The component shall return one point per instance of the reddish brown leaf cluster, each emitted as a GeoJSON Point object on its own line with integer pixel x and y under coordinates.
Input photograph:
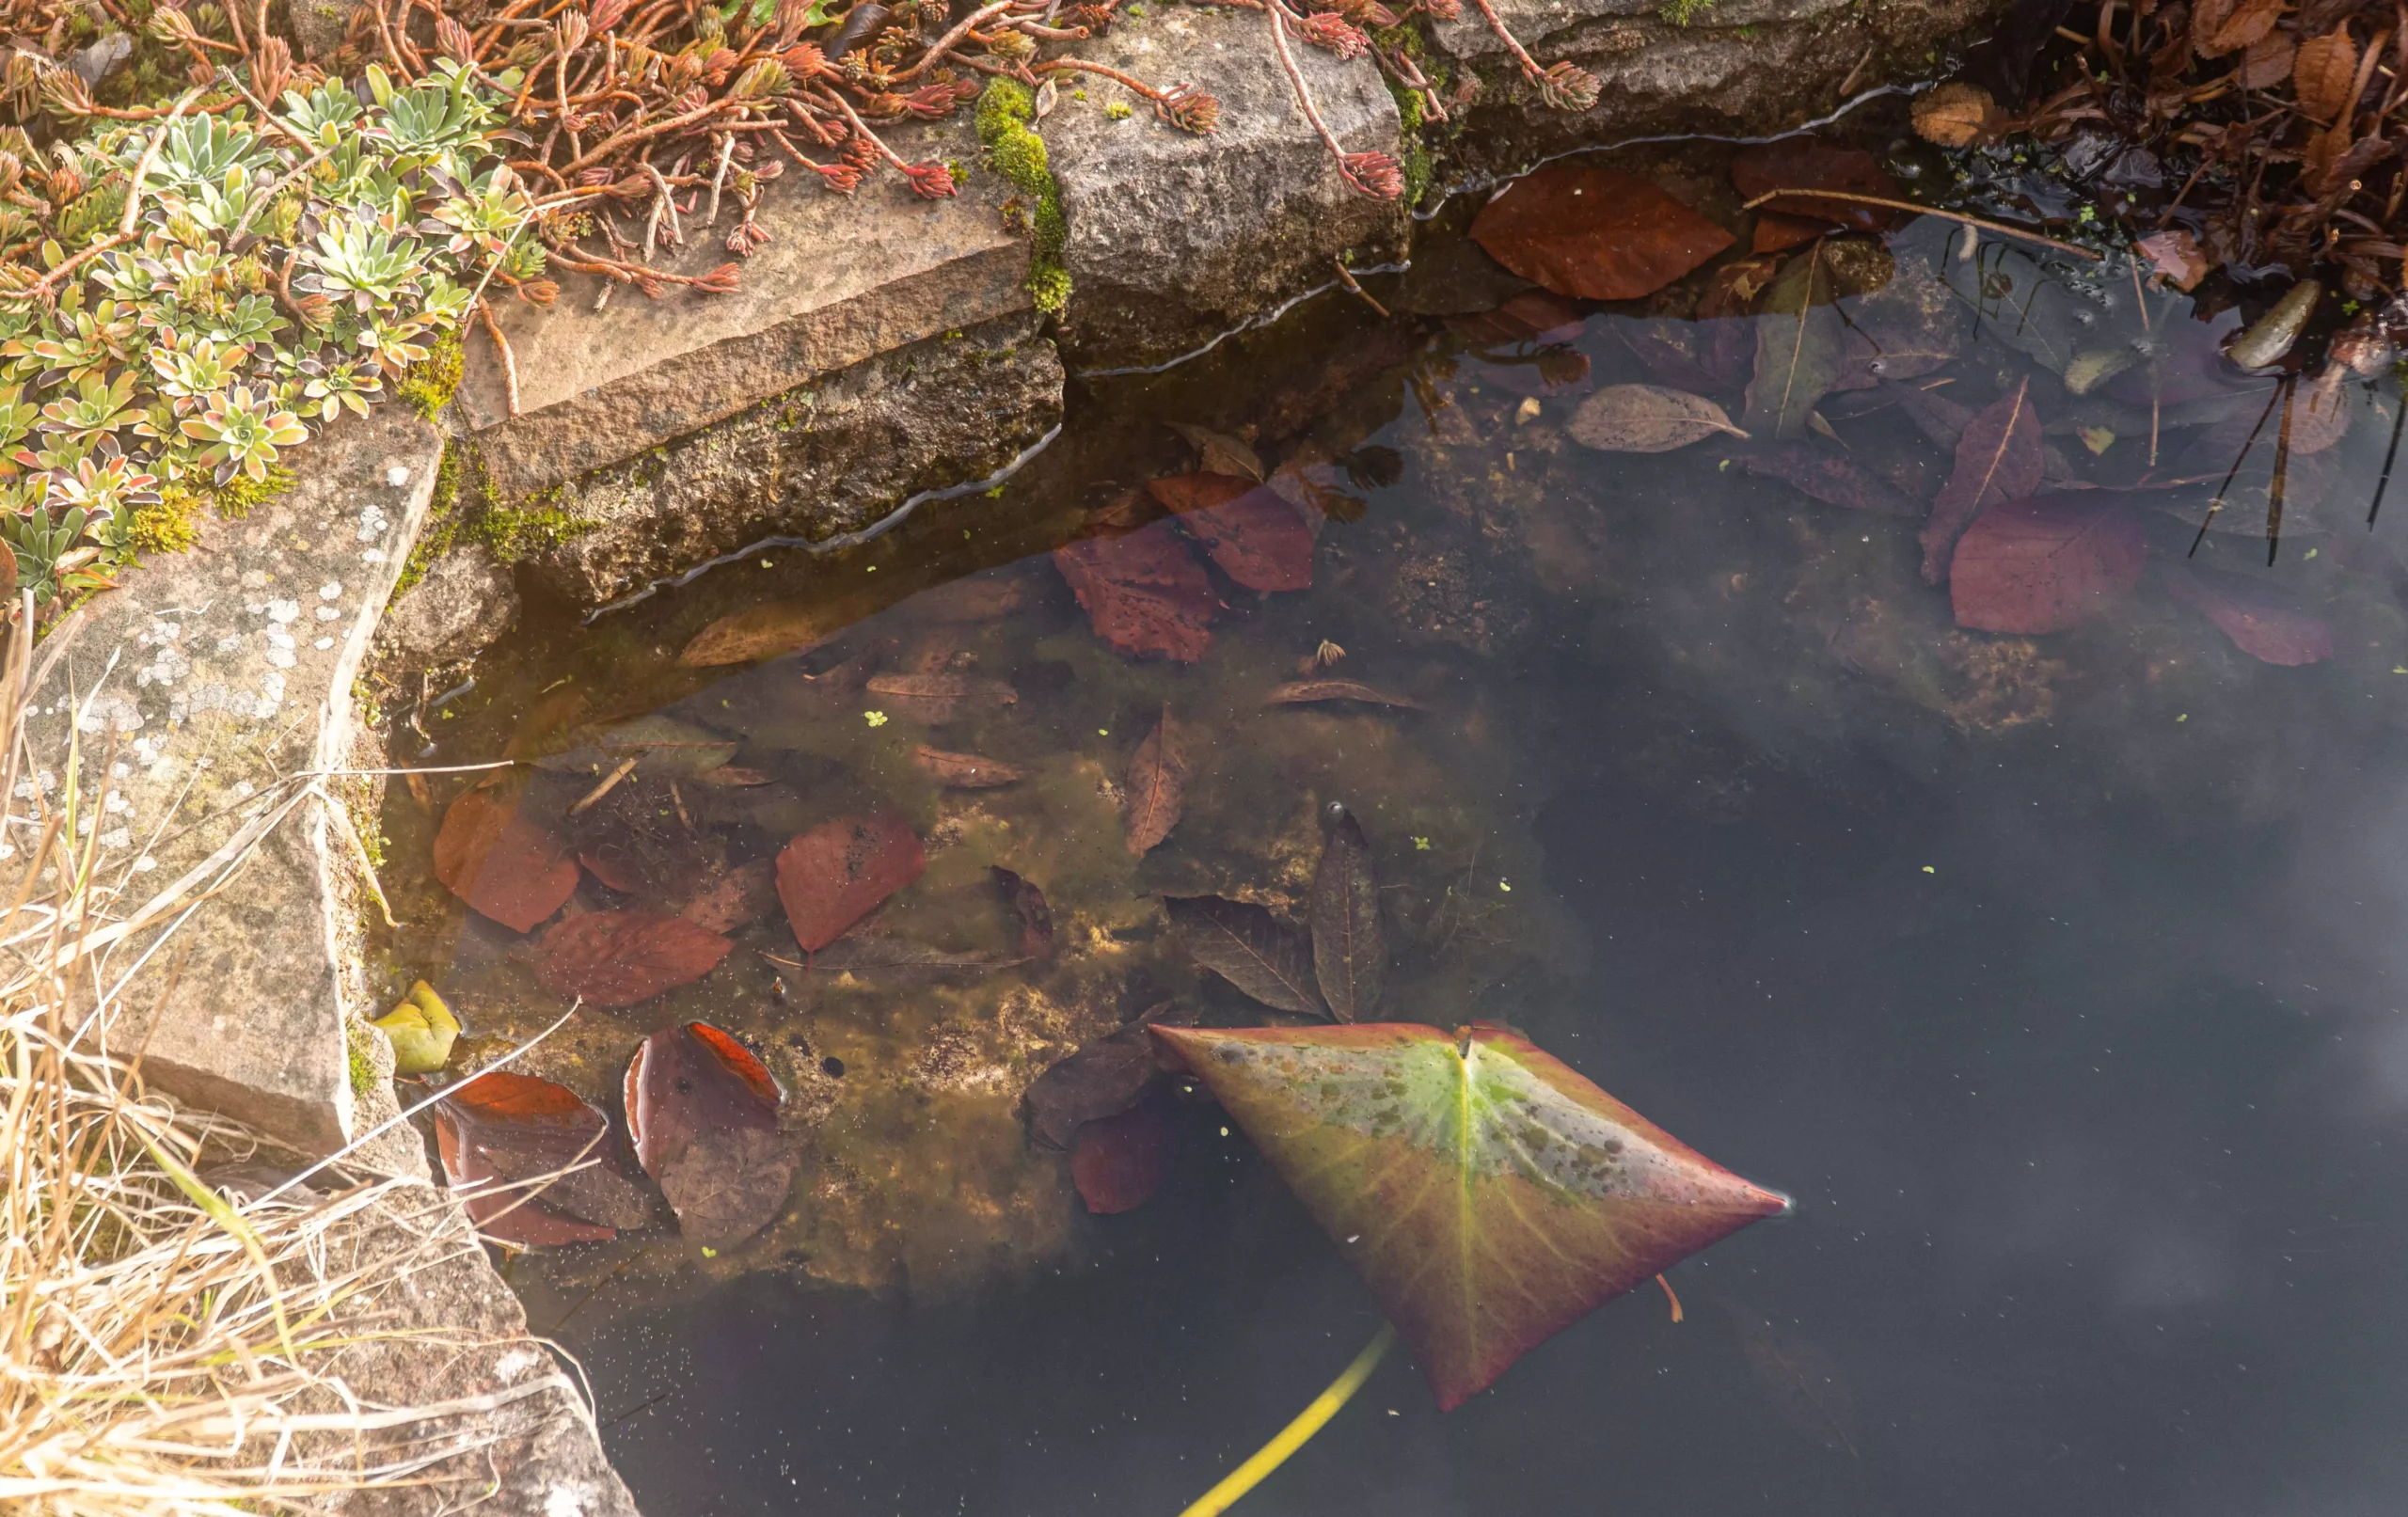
{"type": "Point", "coordinates": [837, 873]}
{"type": "Point", "coordinates": [1142, 592]}
{"type": "Point", "coordinates": [504, 864]}
{"type": "Point", "coordinates": [1594, 233]}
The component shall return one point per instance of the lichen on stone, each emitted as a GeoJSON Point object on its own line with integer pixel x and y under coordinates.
{"type": "Point", "coordinates": [1006, 118]}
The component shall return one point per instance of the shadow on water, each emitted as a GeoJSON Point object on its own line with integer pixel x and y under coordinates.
{"type": "Point", "coordinates": [2057, 975]}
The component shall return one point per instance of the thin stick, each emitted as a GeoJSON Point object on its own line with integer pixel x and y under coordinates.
{"type": "Point", "coordinates": [626, 766]}
{"type": "Point", "coordinates": [2217, 503]}
{"type": "Point", "coordinates": [2399, 413]}
{"type": "Point", "coordinates": [1346, 277]}
{"type": "Point", "coordinates": [2275, 487]}
{"type": "Point", "coordinates": [1292, 1437]}
{"type": "Point", "coordinates": [1999, 227]}
{"type": "Point", "coordinates": [1670, 1295]}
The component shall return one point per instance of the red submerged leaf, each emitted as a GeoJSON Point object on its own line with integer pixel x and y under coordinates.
{"type": "Point", "coordinates": [1804, 163]}
{"type": "Point", "coordinates": [1258, 540]}
{"type": "Point", "coordinates": [733, 899]}
{"type": "Point", "coordinates": [1998, 458]}
{"type": "Point", "coordinates": [498, 1129]}
{"type": "Point", "coordinates": [1594, 233]}
{"type": "Point", "coordinates": [704, 1113]}
{"type": "Point", "coordinates": [1119, 1163]}
{"type": "Point", "coordinates": [1831, 479]}
{"type": "Point", "coordinates": [2044, 564]}
{"type": "Point", "coordinates": [1144, 593]}
{"type": "Point", "coordinates": [1195, 492]}
{"type": "Point", "coordinates": [1533, 316]}
{"type": "Point", "coordinates": [617, 959]}
{"type": "Point", "coordinates": [1777, 233]}
{"type": "Point", "coordinates": [503, 866]}
{"type": "Point", "coordinates": [830, 877]}
{"type": "Point", "coordinates": [2262, 619]}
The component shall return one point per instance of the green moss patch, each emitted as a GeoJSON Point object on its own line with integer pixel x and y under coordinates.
{"type": "Point", "coordinates": [1006, 124]}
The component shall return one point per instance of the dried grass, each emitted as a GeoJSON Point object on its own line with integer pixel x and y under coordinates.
{"type": "Point", "coordinates": [163, 1347]}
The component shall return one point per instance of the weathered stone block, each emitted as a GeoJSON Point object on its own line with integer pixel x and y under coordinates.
{"type": "Point", "coordinates": [1175, 238]}
{"type": "Point", "coordinates": [831, 458]}
{"type": "Point", "coordinates": [842, 279]}
{"type": "Point", "coordinates": [204, 695]}
{"type": "Point", "coordinates": [466, 601]}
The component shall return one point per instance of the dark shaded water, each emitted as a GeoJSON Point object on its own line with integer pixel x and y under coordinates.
{"type": "Point", "coordinates": [2054, 976]}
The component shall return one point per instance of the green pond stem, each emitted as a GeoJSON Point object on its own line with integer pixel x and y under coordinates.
{"type": "Point", "coordinates": [1294, 1435]}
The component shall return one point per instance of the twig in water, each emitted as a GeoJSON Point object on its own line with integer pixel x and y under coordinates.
{"type": "Point", "coordinates": [626, 766]}
{"type": "Point", "coordinates": [1999, 227]}
{"type": "Point", "coordinates": [2217, 503]}
{"type": "Point", "coordinates": [1346, 277]}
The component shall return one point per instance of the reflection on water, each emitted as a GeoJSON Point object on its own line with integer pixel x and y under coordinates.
{"type": "Point", "coordinates": [2053, 972]}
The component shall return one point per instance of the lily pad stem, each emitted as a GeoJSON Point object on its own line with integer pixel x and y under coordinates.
{"type": "Point", "coordinates": [1294, 1436]}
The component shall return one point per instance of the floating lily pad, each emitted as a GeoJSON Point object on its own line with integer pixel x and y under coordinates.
{"type": "Point", "coordinates": [1487, 1193]}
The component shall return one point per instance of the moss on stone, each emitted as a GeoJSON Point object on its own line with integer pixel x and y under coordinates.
{"type": "Point", "coordinates": [427, 386]}
{"type": "Point", "coordinates": [1413, 150]}
{"type": "Point", "coordinates": [1685, 13]}
{"type": "Point", "coordinates": [167, 526]}
{"type": "Point", "coordinates": [463, 507]}
{"type": "Point", "coordinates": [242, 495]}
{"type": "Point", "coordinates": [1006, 118]}
{"type": "Point", "coordinates": [362, 1063]}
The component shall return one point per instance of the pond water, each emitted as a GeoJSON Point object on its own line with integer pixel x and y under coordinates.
{"type": "Point", "coordinates": [2057, 975]}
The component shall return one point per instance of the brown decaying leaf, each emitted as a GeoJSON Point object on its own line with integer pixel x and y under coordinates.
{"type": "Point", "coordinates": [1807, 164]}
{"type": "Point", "coordinates": [1258, 540]}
{"type": "Point", "coordinates": [2321, 73]}
{"type": "Point", "coordinates": [704, 1114]}
{"type": "Point", "coordinates": [1036, 913]}
{"type": "Point", "coordinates": [834, 874]}
{"type": "Point", "coordinates": [502, 864]}
{"type": "Point", "coordinates": [1533, 316]}
{"type": "Point", "coordinates": [981, 598]}
{"type": "Point", "coordinates": [1157, 791]}
{"type": "Point", "coordinates": [2263, 619]}
{"type": "Point", "coordinates": [2045, 564]}
{"type": "Point", "coordinates": [1119, 1163]}
{"type": "Point", "coordinates": [734, 897]}
{"type": "Point", "coordinates": [1646, 419]}
{"type": "Point", "coordinates": [1220, 454]}
{"type": "Point", "coordinates": [2267, 62]}
{"type": "Point", "coordinates": [762, 632]}
{"type": "Point", "coordinates": [940, 698]}
{"type": "Point", "coordinates": [1316, 691]}
{"type": "Point", "coordinates": [1777, 233]}
{"type": "Point", "coordinates": [503, 1129]}
{"type": "Point", "coordinates": [1142, 592]}
{"type": "Point", "coordinates": [1799, 349]}
{"type": "Point", "coordinates": [1831, 479]}
{"type": "Point", "coordinates": [1247, 947]}
{"type": "Point", "coordinates": [2221, 27]}
{"type": "Point", "coordinates": [1349, 949]}
{"type": "Point", "coordinates": [1997, 459]}
{"type": "Point", "coordinates": [618, 958]}
{"type": "Point", "coordinates": [1103, 1078]}
{"type": "Point", "coordinates": [1180, 492]}
{"type": "Point", "coordinates": [964, 771]}
{"type": "Point", "coordinates": [1594, 233]}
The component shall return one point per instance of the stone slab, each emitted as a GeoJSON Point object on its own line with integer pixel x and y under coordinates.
{"type": "Point", "coordinates": [197, 692]}
{"type": "Point", "coordinates": [826, 459]}
{"type": "Point", "coordinates": [1175, 238]}
{"type": "Point", "coordinates": [842, 279]}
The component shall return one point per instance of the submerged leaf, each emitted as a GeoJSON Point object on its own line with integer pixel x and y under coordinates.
{"type": "Point", "coordinates": [1103, 1079]}
{"type": "Point", "coordinates": [2044, 564]}
{"type": "Point", "coordinates": [1998, 459]}
{"type": "Point", "coordinates": [1180, 492]}
{"type": "Point", "coordinates": [1247, 947]}
{"type": "Point", "coordinates": [1833, 479]}
{"type": "Point", "coordinates": [1036, 913]}
{"type": "Point", "coordinates": [507, 1129]}
{"type": "Point", "coordinates": [1646, 419]}
{"type": "Point", "coordinates": [964, 771]}
{"type": "Point", "coordinates": [704, 1113]}
{"type": "Point", "coordinates": [1119, 1163]}
{"type": "Point", "coordinates": [1799, 349]}
{"type": "Point", "coordinates": [2263, 620]}
{"type": "Point", "coordinates": [1258, 540]}
{"type": "Point", "coordinates": [937, 698]}
{"type": "Point", "coordinates": [733, 898]}
{"type": "Point", "coordinates": [761, 632]}
{"type": "Point", "coordinates": [507, 867]}
{"type": "Point", "coordinates": [617, 959]}
{"type": "Point", "coordinates": [1219, 454]}
{"type": "Point", "coordinates": [832, 876]}
{"type": "Point", "coordinates": [1157, 792]}
{"type": "Point", "coordinates": [1316, 691]}
{"type": "Point", "coordinates": [1533, 316]}
{"type": "Point", "coordinates": [1142, 592]}
{"type": "Point", "coordinates": [1487, 1194]}
{"type": "Point", "coordinates": [1805, 163]}
{"type": "Point", "coordinates": [1594, 233]}
{"type": "Point", "coordinates": [1349, 950]}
